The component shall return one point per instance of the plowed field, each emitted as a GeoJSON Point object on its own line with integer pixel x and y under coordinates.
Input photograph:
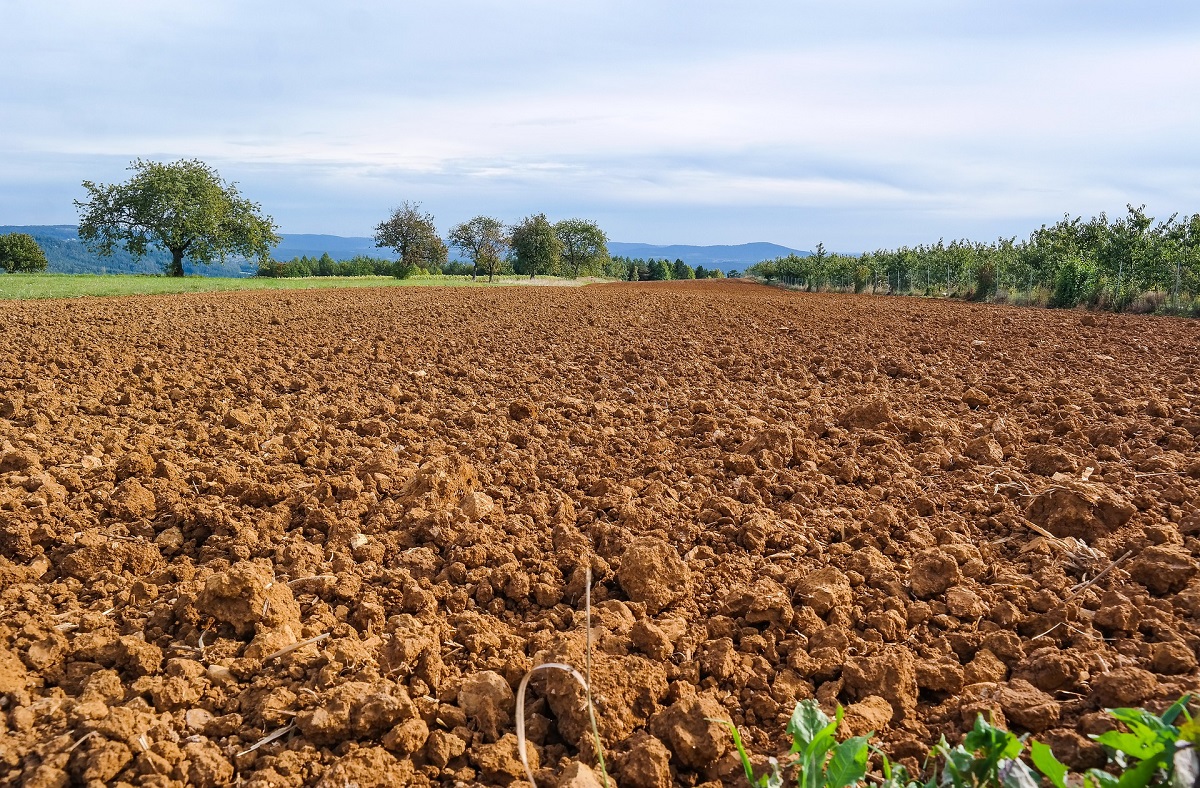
{"type": "Point", "coordinates": [918, 509]}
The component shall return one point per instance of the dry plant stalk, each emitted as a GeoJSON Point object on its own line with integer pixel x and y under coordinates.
{"type": "Point", "coordinates": [585, 683]}
{"type": "Point", "coordinates": [289, 649]}
{"type": "Point", "coordinates": [1079, 589]}
{"type": "Point", "coordinates": [270, 737]}
{"type": "Point", "coordinates": [294, 581]}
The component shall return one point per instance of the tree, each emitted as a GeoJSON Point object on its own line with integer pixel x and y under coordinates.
{"type": "Point", "coordinates": [585, 246]}
{"type": "Point", "coordinates": [184, 208]}
{"type": "Point", "coordinates": [816, 263]}
{"type": "Point", "coordinates": [681, 270]}
{"type": "Point", "coordinates": [413, 236]}
{"type": "Point", "coordinates": [616, 268]}
{"type": "Point", "coordinates": [536, 248]}
{"type": "Point", "coordinates": [660, 270]}
{"type": "Point", "coordinates": [20, 253]}
{"type": "Point", "coordinates": [484, 240]}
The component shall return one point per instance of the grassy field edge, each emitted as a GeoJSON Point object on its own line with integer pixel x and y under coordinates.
{"type": "Point", "coordinates": [40, 286]}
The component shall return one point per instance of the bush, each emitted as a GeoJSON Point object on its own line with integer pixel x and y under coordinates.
{"type": "Point", "coordinates": [862, 276]}
{"type": "Point", "coordinates": [1076, 282]}
{"type": "Point", "coordinates": [985, 282]}
{"type": "Point", "coordinates": [20, 253]}
{"type": "Point", "coordinates": [1149, 303]}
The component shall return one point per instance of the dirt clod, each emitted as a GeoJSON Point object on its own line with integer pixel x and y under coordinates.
{"type": "Point", "coordinates": [933, 571]}
{"type": "Point", "coordinates": [486, 698]}
{"type": "Point", "coordinates": [1124, 686]}
{"type": "Point", "coordinates": [687, 729]}
{"type": "Point", "coordinates": [248, 597]}
{"type": "Point", "coordinates": [872, 713]}
{"type": "Point", "coordinates": [645, 764]}
{"type": "Point", "coordinates": [1081, 510]}
{"type": "Point", "coordinates": [652, 573]}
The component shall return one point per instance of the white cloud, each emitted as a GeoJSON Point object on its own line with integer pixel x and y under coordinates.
{"type": "Point", "coordinates": [947, 115]}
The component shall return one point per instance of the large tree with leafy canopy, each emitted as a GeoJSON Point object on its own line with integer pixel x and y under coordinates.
{"type": "Point", "coordinates": [535, 247]}
{"type": "Point", "coordinates": [183, 207]}
{"type": "Point", "coordinates": [413, 236]}
{"type": "Point", "coordinates": [484, 239]}
{"type": "Point", "coordinates": [585, 246]}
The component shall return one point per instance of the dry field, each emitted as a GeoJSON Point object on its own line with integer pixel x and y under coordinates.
{"type": "Point", "coordinates": [918, 509]}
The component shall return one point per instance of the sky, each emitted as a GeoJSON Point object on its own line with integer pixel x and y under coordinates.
{"type": "Point", "coordinates": [854, 123]}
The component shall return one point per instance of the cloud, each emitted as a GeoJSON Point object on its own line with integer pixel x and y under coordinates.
{"type": "Point", "coordinates": [832, 120]}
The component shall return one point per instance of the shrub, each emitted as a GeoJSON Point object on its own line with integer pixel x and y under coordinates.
{"type": "Point", "coordinates": [1150, 302]}
{"type": "Point", "coordinates": [20, 253]}
{"type": "Point", "coordinates": [985, 282]}
{"type": "Point", "coordinates": [1076, 282]}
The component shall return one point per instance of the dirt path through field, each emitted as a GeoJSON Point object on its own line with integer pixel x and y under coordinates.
{"type": "Point", "coordinates": [899, 505]}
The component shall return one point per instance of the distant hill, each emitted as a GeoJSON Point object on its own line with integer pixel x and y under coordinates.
{"type": "Point", "coordinates": [724, 257]}
{"type": "Point", "coordinates": [67, 255]}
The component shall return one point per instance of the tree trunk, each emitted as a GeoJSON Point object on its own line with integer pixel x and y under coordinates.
{"type": "Point", "coordinates": [176, 266]}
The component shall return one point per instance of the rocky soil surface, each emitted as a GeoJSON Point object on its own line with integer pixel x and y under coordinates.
{"type": "Point", "coordinates": [285, 539]}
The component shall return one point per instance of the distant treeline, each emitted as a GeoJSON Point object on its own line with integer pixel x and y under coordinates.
{"type": "Point", "coordinates": [624, 268]}
{"type": "Point", "coordinates": [363, 265]}
{"type": "Point", "coordinates": [359, 265]}
{"type": "Point", "coordinates": [637, 269]}
{"type": "Point", "coordinates": [1132, 263]}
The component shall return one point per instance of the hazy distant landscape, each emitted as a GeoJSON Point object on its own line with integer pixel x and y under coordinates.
{"type": "Point", "coordinates": [67, 255]}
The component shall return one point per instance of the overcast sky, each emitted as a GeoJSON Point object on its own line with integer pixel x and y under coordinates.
{"type": "Point", "coordinates": [859, 124]}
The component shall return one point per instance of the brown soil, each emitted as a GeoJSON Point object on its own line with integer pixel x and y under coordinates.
{"type": "Point", "coordinates": [888, 504]}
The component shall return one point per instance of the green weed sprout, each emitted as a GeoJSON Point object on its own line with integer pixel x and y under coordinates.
{"type": "Point", "coordinates": [1152, 752]}
{"type": "Point", "coordinates": [820, 761]}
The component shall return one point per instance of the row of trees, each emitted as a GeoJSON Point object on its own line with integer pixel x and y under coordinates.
{"type": "Point", "coordinates": [359, 265]}
{"type": "Point", "coordinates": [639, 270]}
{"type": "Point", "coordinates": [533, 246]}
{"type": "Point", "coordinates": [1130, 262]}
{"type": "Point", "coordinates": [187, 210]}
{"type": "Point", "coordinates": [20, 253]}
